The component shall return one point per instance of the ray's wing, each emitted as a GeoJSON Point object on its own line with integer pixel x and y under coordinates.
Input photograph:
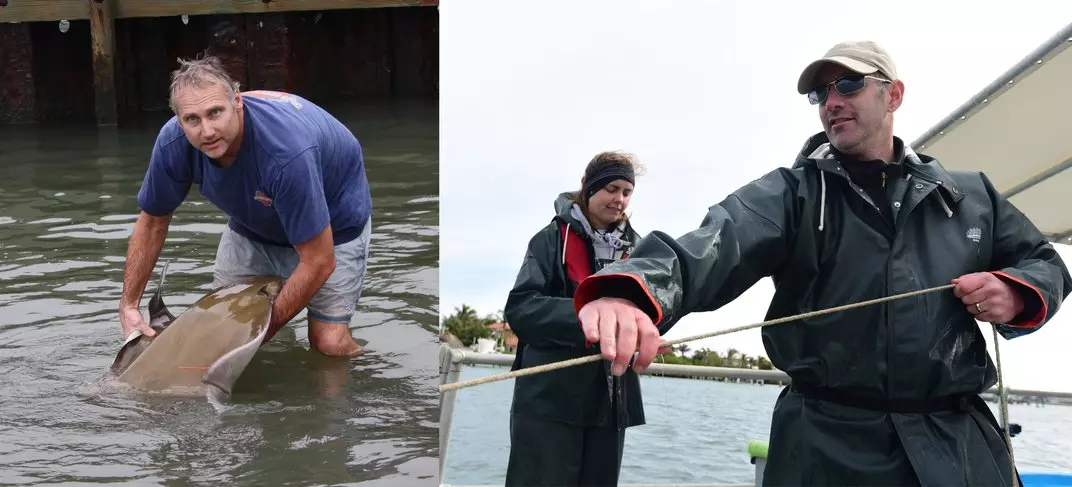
{"type": "Point", "coordinates": [224, 372]}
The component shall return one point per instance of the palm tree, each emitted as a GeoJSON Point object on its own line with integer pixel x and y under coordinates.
{"type": "Point", "coordinates": [465, 313]}
{"type": "Point", "coordinates": [467, 326]}
{"type": "Point", "coordinates": [731, 357]}
{"type": "Point", "coordinates": [706, 356]}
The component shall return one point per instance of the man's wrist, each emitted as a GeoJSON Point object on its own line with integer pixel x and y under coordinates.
{"type": "Point", "coordinates": [278, 313]}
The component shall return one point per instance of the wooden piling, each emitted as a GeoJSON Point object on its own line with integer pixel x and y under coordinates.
{"type": "Point", "coordinates": [102, 30]}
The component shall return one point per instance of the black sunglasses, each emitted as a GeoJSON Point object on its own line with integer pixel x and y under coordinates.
{"type": "Point", "coordinates": [845, 85]}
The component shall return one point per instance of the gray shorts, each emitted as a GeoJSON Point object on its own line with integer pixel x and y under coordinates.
{"type": "Point", "coordinates": [238, 257]}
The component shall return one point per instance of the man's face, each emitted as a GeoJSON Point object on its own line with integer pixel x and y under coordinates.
{"type": "Point", "coordinates": [211, 120]}
{"type": "Point", "coordinates": [855, 122]}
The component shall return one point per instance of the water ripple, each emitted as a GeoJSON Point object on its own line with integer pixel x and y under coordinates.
{"type": "Point", "coordinates": [296, 417]}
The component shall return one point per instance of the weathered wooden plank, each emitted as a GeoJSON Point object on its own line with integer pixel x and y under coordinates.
{"type": "Point", "coordinates": [163, 8]}
{"type": "Point", "coordinates": [51, 10]}
{"type": "Point", "coordinates": [102, 31]}
{"type": "Point", "coordinates": [41, 10]}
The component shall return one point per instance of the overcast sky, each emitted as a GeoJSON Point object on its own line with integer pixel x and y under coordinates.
{"type": "Point", "coordinates": [704, 93]}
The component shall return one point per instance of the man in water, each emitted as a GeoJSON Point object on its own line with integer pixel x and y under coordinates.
{"type": "Point", "coordinates": [886, 394]}
{"type": "Point", "coordinates": [292, 180]}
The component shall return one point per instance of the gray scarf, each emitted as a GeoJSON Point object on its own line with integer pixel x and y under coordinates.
{"type": "Point", "coordinates": [607, 244]}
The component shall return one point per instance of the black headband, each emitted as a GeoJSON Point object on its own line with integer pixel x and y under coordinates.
{"type": "Point", "coordinates": [604, 176]}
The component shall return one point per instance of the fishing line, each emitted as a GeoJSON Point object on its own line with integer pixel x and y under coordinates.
{"type": "Point", "coordinates": [1002, 391]}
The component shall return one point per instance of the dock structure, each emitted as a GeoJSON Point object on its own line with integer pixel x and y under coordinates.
{"type": "Point", "coordinates": [103, 61]}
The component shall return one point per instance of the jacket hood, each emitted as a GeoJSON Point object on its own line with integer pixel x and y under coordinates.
{"type": "Point", "coordinates": [818, 151]}
{"type": "Point", "coordinates": [818, 147]}
{"type": "Point", "coordinates": [810, 153]}
{"type": "Point", "coordinates": [563, 206]}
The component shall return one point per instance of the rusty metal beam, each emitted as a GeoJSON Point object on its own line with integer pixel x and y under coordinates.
{"type": "Point", "coordinates": [53, 10]}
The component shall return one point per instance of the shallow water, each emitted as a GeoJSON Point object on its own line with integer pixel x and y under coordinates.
{"type": "Point", "coordinates": [67, 205]}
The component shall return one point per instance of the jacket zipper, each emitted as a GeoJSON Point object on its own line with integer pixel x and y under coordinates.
{"type": "Point", "coordinates": [886, 281]}
{"type": "Point", "coordinates": [889, 330]}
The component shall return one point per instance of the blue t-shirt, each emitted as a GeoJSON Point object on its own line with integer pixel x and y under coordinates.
{"type": "Point", "coordinates": [298, 169]}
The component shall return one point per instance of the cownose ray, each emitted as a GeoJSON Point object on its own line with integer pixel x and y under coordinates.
{"type": "Point", "coordinates": [207, 346]}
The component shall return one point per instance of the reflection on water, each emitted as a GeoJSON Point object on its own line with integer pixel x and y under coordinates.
{"type": "Point", "coordinates": [67, 206]}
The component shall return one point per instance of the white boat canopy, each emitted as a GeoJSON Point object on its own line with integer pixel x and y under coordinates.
{"type": "Point", "coordinates": [1018, 130]}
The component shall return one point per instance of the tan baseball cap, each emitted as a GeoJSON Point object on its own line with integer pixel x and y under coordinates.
{"type": "Point", "coordinates": [864, 57]}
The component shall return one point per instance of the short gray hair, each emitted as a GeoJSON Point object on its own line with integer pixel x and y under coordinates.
{"type": "Point", "coordinates": [200, 73]}
{"type": "Point", "coordinates": [882, 85]}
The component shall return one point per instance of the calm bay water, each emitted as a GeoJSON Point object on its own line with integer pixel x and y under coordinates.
{"type": "Point", "coordinates": [67, 205]}
{"type": "Point", "coordinates": [697, 431]}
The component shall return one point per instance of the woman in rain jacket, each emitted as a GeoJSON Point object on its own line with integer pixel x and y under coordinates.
{"type": "Point", "coordinates": [567, 426]}
{"type": "Point", "coordinates": [884, 394]}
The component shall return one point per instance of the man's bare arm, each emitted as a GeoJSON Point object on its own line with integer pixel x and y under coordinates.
{"type": "Point", "coordinates": [315, 265]}
{"type": "Point", "coordinates": [143, 249]}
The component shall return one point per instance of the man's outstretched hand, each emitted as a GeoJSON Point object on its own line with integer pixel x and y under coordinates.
{"type": "Point", "coordinates": [621, 329]}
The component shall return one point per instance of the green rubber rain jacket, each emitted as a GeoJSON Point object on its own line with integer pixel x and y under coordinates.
{"type": "Point", "coordinates": [539, 310]}
{"type": "Point", "coordinates": [886, 394]}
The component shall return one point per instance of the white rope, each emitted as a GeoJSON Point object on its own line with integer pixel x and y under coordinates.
{"type": "Point", "coordinates": [1003, 401]}
{"type": "Point", "coordinates": [593, 358]}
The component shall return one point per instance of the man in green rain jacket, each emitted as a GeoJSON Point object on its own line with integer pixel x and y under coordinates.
{"type": "Point", "coordinates": [886, 394]}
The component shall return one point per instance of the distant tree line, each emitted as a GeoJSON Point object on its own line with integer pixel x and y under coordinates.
{"type": "Point", "coordinates": [705, 356]}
